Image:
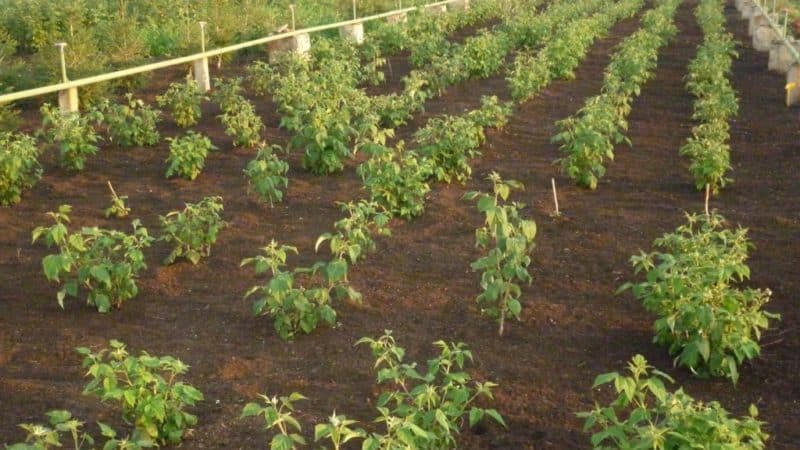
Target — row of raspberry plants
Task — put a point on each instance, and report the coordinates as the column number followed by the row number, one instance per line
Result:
column 715, row 99
column 588, row 138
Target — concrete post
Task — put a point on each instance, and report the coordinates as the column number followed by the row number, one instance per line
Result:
column 353, row 32
column 397, row 18
column 201, row 74
column 793, row 85
column 763, row 38
column 749, row 10
column 300, row 44
column 437, row 9
column 756, row 21
column 460, row 5
column 68, row 101
column 781, row 57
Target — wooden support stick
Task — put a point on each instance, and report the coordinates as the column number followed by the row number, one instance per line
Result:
column 708, row 194
column 555, row 195
column 113, row 192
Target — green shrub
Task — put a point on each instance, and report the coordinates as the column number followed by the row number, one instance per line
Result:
column 105, row 263
column 131, row 124
column 187, row 155
column 396, row 180
column 73, row 133
column 266, row 175
column 147, row 388
column 194, row 230
column 509, row 240
column 19, row 166
column 645, row 415
column 703, row 317
column 183, row 100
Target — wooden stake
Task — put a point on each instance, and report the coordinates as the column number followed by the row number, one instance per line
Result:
column 113, row 192
column 555, row 195
column 708, row 194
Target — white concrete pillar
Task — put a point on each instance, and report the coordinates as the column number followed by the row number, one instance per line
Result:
column 793, row 85
column 749, row 10
column 68, row 100
column 763, row 38
column 353, row 32
column 397, row 18
column 436, row 9
column 300, row 44
column 201, row 74
column 459, row 5
column 756, row 21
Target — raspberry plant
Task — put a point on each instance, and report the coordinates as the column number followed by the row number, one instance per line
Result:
column 73, row 133
column 646, row 415
column 396, row 179
column 183, row 101
column 105, row 263
column 147, row 388
column 62, row 425
column 242, row 123
column 19, row 166
column 266, row 174
column 509, row 240
column 132, row 123
column 293, row 309
column 421, row 411
column 710, row 324
column 227, row 93
column 425, row 410
column 187, row 155
column 194, row 230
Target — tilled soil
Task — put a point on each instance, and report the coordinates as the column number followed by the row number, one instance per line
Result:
column 419, row 283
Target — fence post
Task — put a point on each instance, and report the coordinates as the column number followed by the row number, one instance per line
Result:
column 201, row 74
column 68, row 101
column 793, row 85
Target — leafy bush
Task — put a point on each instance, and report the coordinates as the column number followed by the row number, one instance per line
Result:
column 61, row 422
column 266, row 174
column 421, row 411
column 106, row 263
column 73, row 133
column 484, row 54
column 354, row 234
column 19, row 166
column 588, row 138
column 715, row 100
column 425, row 410
column 131, row 124
column 227, row 93
column 646, row 415
column 183, row 100
column 187, row 155
column 506, row 263
column 242, row 123
column 396, row 180
column 449, row 143
column 330, row 118
column 194, row 230
column 148, row 389
column 709, row 323
column 293, row 308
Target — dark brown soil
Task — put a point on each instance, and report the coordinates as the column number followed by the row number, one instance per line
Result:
column 419, row 283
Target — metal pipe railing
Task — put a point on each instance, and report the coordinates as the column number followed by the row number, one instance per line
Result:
column 780, row 31
column 65, row 85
